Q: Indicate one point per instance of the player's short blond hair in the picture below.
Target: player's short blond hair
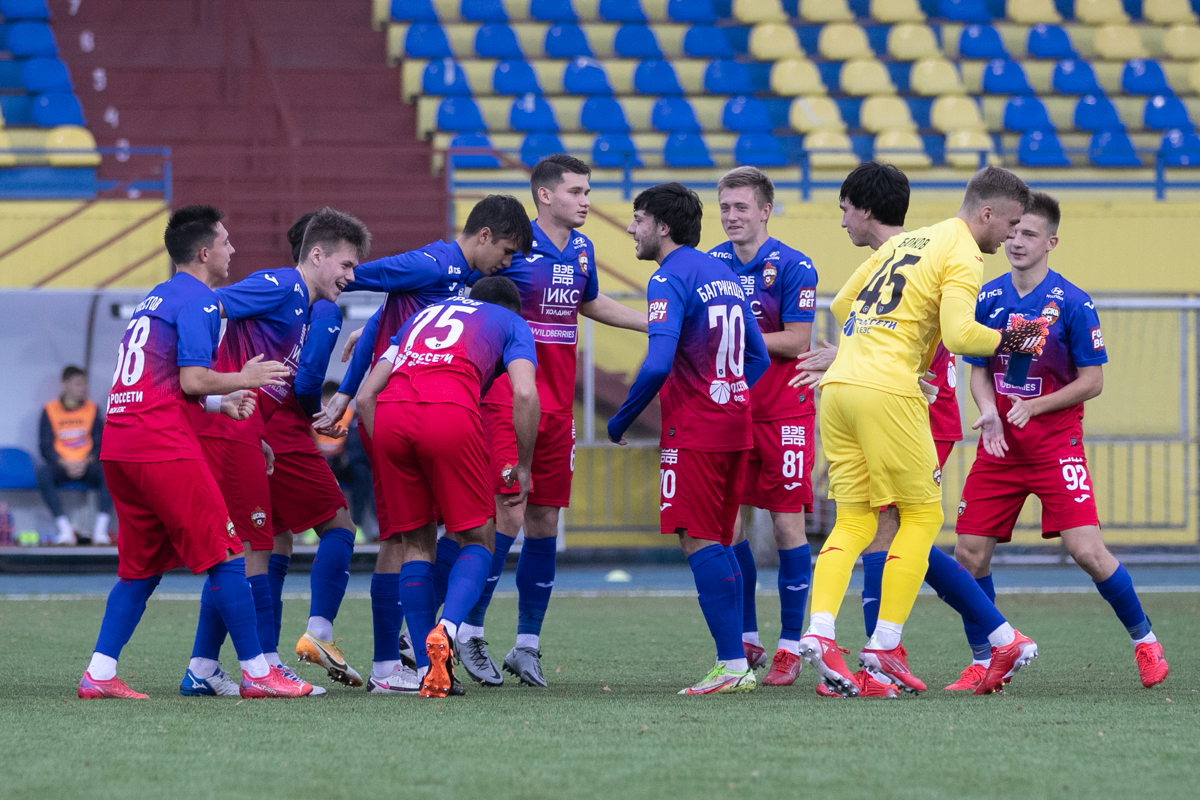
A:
(995, 183)
(753, 177)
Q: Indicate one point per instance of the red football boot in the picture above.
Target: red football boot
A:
(1152, 665)
(274, 684)
(826, 657)
(1005, 663)
(867, 687)
(92, 689)
(439, 678)
(755, 655)
(893, 664)
(970, 678)
(785, 667)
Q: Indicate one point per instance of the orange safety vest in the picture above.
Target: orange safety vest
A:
(329, 446)
(72, 429)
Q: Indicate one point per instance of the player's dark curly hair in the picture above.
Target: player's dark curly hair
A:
(994, 183)
(1046, 207)
(505, 217)
(677, 207)
(881, 189)
(330, 227)
(499, 290)
(295, 235)
(550, 170)
(189, 229)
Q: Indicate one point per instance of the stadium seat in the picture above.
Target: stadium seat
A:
(614, 150)
(6, 159)
(472, 160)
(829, 149)
(531, 113)
(752, 12)
(459, 114)
(1181, 149)
(427, 40)
(746, 115)
(636, 41)
(951, 113)
(908, 41)
(771, 41)
(656, 77)
(16, 469)
(964, 146)
(1041, 149)
(964, 10)
(55, 109)
(1112, 149)
(603, 115)
(1164, 113)
(808, 114)
(14, 10)
(585, 76)
(1119, 43)
(41, 75)
(1097, 113)
(515, 77)
(885, 113)
(759, 150)
(539, 145)
(825, 11)
(413, 11)
(1004, 76)
(1194, 78)
(707, 41)
(30, 40)
(842, 41)
(725, 76)
(1049, 41)
(483, 11)
(497, 40)
(1073, 76)
(895, 11)
(695, 11)
(902, 148)
(1182, 42)
(673, 114)
(794, 76)
(862, 77)
(1168, 12)
(566, 40)
(71, 146)
(1032, 12)
(982, 42)
(444, 76)
(686, 150)
(621, 11)
(1026, 114)
(1100, 12)
(1142, 76)
(931, 77)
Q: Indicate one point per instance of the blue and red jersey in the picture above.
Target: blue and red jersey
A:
(944, 419)
(781, 286)
(176, 325)
(450, 352)
(1075, 341)
(289, 430)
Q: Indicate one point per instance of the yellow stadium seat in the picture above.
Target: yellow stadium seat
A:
(863, 76)
(935, 76)
(1193, 78)
(1100, 12)
(892, 11)
(825, 11)
(1182, 42)
(902, 148)
(1166, 12)
(755, 11)
(842, 41)
(73, 138)
(6, 159)
(809, 114)
(953, 112)
(963, 148)
(885, 113)
(1032, 12)
(1119, 43)
(829, 149)
(907, 41)
(771, 41)
(793, 77)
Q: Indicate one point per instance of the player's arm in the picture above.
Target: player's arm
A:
(609, 312)
(789, 342)
(1088, 384)
(797, 309)
(991, 430)
(255, 296)
(406, 272)
(369, 391)
(757, 360)
(254, 374)
(314, 357)
(526, 413)
(664, 318)
(360, 365)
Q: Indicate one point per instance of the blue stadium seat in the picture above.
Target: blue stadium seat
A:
(964, 10)
(57, 108)
(1075, 76)
(16, 469)
(708, 41)
(515, 77)
(636, 41)
(746, 115)
(725, 76)
(1181, 149)
(459, 114)
(497, 40)
(1164, 113)
(427, 40)
(1004, 76)
(1041, 149)
(413, 11)
(1097, 113)
(17, 109)
(586, 76)
(614, 150)
(656, 77)
(981, 41)
(692, 11)
(1066, 8)
(566, 40)
(10, 75)
(1112, 149)
(13, 10)
(1026, 114)
(539, 145)
(1142, 76)
(30, 40)
(41, 75)
(686, 150)
(553, 11)
(445, 77)
(483, 11)
(622, 11)
(532, 113)
(673, 114)
(603, 115)
(1049, 41)
(473, 160)
(759, 150)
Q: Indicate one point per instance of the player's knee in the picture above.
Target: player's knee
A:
(1087, 549)
(541, 522)
(972, 553)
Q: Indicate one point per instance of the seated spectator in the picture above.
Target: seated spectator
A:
(69, 440)
(348, 460)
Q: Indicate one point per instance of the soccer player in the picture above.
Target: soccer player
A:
(781, 286)
(169, 508)
(421, 407)
(558, 281)
(875, 423)
(705, 354)
(1031, 433)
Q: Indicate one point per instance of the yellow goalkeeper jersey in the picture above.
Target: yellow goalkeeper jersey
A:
(919, 288)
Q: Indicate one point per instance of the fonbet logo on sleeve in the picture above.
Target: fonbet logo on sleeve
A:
(808, 298)
(1097, 338)
(657, 311)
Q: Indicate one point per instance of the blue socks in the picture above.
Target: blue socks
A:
(795, 575)
(981, 649)
(126, 604)
(277, 570)
(416, 595)
(535, 582)
(872, 588)
(210, 628)
(962, 592)
(504, 543)
(749, 583)
(717, 589)
(331, 573)
(447, 554)
(231, 595)
(1118, 590)
(264, 608)
(387, 615)
(466, 582)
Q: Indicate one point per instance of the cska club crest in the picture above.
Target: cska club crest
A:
(583, 263)
(258, 517)
(769, 273)
(1051, 312)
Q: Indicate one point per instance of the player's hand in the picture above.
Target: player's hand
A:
(522, 476)
(352, 340)
(328, 427)
(806, 379)
(1024, 336)
(239, 405)
(618, 440)
(1020, 413)
(818, 359)
(991, 434)
(260, 373)
(269, 455)
(927, 388)
(335, 409)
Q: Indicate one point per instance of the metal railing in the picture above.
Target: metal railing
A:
(122, 172)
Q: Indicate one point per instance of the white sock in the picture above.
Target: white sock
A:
(204, 667)
(791, 645)
(529, 640)
(737, 665)
(1149, 638)
(985, 662)
(321, 628)
(100, 529)
(256, 667)
(752, 638)
(451, 628)
(821, 624)
(887, 635)
(102, 667)
(381, 669)
(65, 530)
(273, 659)
(1002, 636)
(467, 632)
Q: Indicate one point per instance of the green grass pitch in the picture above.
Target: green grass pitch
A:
(1077, 723)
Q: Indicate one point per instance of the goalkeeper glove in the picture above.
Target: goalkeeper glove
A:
(1023, 336)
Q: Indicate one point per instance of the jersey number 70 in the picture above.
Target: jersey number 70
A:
(872, 291)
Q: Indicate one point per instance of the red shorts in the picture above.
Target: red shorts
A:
(943, 452)
(241, 473)
(304, 492)
(432, 456)
(380, 501)
(995, 492)
(553, 455)
(779, 468)
(170, 514)
(699, 492)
